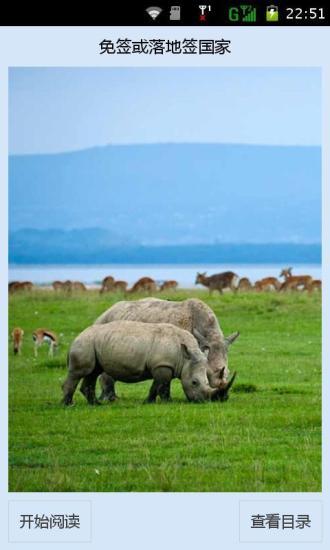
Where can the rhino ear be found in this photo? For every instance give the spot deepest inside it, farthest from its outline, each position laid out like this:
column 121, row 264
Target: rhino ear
column 222, row 372
column 185, row 351
column 231, row 338
column 202, row 342
column 190, row 354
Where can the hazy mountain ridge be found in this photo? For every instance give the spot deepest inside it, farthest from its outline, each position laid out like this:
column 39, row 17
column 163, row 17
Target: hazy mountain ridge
column 88, row 247
column 58, row 245
column 122, row 202
column 168, row 194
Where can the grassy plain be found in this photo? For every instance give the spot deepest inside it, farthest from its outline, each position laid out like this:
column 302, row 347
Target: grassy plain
column 266, row 437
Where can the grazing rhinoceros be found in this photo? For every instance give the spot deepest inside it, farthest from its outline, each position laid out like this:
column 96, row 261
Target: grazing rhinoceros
column 131, row 351
column 192, row 315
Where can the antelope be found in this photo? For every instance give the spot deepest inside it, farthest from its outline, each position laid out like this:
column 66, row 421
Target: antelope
column 145, row 284
column 317, row 284
column 41, row 335
column 169, row 285
column 292, row 282
column 219, row 281
column 107, row 284
column 120, row 286
column 266, row 284
column 16, row 286
column 17, row 336
column 67, row 286
column 77, row 285
column 57, row 285
column 244, row 284
column 12, row 285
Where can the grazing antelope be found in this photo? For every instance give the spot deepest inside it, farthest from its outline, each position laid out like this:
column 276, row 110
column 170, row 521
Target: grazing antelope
column 169, row 285
column 219, row 281
column 12, row 285
column 107, row 284
column 57, row 285
column 17, row 336
column 16, row 286
column 67, row 286
column 77, row 285
column 293, row 282
column 145, row 284
column 244, row 284
column 317, row 284
column 267, row 284
column 120, row 286
column 41, row 335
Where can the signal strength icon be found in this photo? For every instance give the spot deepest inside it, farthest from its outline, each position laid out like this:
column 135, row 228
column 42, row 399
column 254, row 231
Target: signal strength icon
column 154, row 11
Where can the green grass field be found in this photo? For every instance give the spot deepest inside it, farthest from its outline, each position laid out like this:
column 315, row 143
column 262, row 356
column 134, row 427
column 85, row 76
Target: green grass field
column 266, row 437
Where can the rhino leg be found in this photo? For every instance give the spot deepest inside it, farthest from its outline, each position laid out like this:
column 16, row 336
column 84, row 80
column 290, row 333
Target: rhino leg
column 165, row 391
column 87, row 387
column 108, row 388
column 153, row 392
column 69, row 387
column 80, row 365
column 161, row 385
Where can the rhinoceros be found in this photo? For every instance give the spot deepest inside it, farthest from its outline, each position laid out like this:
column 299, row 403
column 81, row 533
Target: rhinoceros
column 192, row 315
column 132, row 351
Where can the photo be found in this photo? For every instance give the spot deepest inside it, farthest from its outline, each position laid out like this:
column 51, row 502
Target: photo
column 165, row 279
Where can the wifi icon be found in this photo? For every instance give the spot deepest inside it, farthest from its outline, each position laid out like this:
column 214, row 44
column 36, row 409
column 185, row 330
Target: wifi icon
column 154, row 11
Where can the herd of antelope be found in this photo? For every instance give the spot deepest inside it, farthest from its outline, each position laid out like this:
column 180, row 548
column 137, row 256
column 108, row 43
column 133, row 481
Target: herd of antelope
column 227, row 280
column 230, row 280
column 145, row 284
column 109, row 284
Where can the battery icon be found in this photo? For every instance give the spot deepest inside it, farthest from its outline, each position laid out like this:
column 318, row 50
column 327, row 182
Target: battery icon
column 271, row 14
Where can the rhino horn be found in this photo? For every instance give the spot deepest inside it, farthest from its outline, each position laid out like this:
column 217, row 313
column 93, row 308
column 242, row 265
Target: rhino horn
column 231, row 381
column 231, row 338
column 221, row 393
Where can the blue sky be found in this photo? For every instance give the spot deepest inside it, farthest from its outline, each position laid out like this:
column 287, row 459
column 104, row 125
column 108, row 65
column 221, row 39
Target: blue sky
column 64, row 109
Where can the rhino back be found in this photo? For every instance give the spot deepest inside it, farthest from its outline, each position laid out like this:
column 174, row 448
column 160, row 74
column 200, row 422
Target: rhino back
column 129, row 351
column 189, row 314
column 150, row 310
column 117, row 312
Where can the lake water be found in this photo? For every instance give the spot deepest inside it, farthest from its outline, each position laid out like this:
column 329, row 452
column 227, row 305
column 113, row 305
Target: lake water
column 184, row 274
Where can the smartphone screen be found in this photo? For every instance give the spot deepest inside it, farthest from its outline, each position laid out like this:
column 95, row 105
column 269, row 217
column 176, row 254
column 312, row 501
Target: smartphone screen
column 164, row 171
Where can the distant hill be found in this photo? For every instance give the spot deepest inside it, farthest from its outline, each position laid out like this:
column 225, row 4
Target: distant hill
column 100, row 246
column 58, row 246
column 171, row 194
